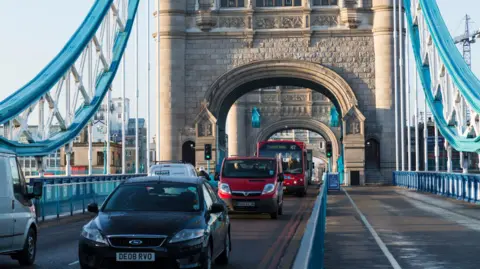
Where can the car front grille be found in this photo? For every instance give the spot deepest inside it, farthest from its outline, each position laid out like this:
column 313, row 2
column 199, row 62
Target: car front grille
column 246, row 193
column 136, row 241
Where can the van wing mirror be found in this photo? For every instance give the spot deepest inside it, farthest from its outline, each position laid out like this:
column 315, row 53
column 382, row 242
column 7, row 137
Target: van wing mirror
column 280, row 177
column 35, row 190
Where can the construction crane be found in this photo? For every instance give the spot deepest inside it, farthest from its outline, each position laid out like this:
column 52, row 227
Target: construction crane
column 467, row 39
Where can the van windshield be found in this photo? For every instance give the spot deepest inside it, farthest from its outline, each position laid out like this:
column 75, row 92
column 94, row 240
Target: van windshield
column 251, row 168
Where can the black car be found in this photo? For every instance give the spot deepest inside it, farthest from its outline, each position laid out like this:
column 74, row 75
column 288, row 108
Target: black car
column 157, row 222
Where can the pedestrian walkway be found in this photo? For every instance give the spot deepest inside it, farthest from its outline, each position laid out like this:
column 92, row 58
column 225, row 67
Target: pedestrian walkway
column 397, row 228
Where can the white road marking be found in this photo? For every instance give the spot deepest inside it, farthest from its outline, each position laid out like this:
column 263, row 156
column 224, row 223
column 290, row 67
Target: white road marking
column 73, row 263
column 379, row 241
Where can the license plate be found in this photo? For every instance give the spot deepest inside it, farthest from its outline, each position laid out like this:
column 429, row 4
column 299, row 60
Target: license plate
column 251, row 204
column 135, row 257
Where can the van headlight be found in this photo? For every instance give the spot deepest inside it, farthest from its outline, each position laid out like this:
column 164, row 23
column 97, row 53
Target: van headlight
column 224, row 188
column 269, row 188
column 93, row 235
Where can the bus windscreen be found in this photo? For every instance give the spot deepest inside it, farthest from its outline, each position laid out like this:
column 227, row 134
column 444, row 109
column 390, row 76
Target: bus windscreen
column 291, row 156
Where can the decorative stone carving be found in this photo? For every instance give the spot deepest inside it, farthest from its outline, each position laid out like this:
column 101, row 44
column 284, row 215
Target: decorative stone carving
column 285, row 22
column 322, row 20
column 232, row 22
column 270, row 98
column 294, row 97
column 205, row 128
column 204, row 18
column 353, row 126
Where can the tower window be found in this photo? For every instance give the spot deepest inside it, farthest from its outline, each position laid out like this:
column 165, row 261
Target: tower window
column 325, row 2
column 279, row 3
column 232, row 3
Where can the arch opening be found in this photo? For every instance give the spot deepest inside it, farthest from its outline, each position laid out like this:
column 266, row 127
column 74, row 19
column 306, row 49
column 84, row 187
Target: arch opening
column 305, row 124
column 188, row 152
column 372, row 154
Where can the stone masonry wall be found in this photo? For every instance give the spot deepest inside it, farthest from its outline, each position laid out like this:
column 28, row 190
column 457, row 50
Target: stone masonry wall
column 352, row 57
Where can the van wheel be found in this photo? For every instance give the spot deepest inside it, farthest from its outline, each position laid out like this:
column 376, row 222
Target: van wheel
column 27, row 255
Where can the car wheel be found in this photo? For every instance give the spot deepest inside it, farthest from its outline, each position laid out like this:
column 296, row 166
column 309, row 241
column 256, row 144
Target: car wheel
column 27, row 255
column 274, row 215
column 225, row 256
column 207, row 262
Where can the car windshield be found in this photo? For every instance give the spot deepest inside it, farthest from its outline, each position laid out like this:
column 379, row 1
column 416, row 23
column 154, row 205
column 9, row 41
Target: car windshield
column 164, row 196
column 254, row 168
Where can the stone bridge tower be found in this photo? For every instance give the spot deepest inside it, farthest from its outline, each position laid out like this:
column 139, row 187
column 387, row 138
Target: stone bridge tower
column 212, row 52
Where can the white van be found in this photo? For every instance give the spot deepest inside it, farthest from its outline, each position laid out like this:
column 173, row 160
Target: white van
column 173, row 169
column 18, row 228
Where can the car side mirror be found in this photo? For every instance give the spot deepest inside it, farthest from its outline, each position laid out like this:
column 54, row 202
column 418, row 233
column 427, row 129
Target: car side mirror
column 217, row 208
column 92, row 208
column 35, row 191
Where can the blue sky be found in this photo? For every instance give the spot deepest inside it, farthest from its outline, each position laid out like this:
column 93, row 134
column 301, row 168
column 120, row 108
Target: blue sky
column 33, row 32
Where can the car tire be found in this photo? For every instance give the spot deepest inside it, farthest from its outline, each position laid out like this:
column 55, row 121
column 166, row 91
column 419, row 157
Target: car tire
column 207, row 262
column 225, row 256
column 280, row 210
column 26, row 256
column 274, row 215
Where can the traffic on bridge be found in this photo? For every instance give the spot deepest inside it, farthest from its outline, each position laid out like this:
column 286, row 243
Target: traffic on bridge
column 300, row 134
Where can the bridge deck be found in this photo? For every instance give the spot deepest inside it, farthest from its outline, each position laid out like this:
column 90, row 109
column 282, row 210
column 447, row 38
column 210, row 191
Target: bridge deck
column 415, row 230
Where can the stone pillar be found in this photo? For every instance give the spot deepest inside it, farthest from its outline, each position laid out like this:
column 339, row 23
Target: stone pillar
column 384, row 84
column 236, row 130
column 171, row 71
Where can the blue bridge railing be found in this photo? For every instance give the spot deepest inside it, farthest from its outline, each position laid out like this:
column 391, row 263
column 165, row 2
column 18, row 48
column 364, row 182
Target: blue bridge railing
column 312, row 248
column 455, row 185
column 71, row 195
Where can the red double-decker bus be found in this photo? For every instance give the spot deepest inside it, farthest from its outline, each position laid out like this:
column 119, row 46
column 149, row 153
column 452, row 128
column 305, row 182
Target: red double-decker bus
column 294, row 160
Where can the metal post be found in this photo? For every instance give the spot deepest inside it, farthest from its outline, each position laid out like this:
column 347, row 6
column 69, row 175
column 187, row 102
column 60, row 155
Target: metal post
column 417, row 134
column 402, row 90
column 124, row 119
column 449, row 159
column 90, row 124
column 425, row 136
column 148, row 85
column 437, row 150
column 109, row 97
column 395, row 64
column 157, row 141
column 407, row 85
column 137, row 164
column 67, row 122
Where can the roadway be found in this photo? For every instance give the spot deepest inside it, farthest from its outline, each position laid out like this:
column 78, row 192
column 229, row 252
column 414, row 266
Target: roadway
column 388, row 227
column 257, row 241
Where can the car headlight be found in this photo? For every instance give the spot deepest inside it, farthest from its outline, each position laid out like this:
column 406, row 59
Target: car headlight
column 93, row 235
column 187, row 234
column 269, row 188
column 223, row 187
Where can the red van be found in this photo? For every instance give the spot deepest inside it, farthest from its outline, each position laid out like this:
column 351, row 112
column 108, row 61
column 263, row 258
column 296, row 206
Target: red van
column 252, row 184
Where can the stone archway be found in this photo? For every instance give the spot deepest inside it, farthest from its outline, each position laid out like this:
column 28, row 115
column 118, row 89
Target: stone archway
column 306, row 124
column 243, row 79
column 261, row 74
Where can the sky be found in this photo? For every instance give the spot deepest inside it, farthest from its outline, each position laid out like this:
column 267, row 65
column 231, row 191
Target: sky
column 33, row 32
